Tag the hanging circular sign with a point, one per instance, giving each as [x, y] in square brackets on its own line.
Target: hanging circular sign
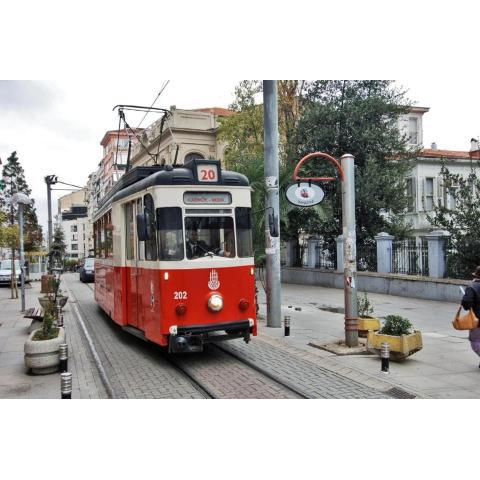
[304, 194]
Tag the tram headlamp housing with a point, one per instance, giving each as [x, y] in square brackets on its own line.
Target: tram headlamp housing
[215, 303]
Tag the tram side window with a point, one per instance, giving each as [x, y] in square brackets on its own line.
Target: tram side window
[170, 233]
[244, 231]
[102, 237]
[151, 243]
[108, 235]
[140, 246]
[130, 231]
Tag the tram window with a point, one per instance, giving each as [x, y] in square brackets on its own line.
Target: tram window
[108, 235]
[151, 243]
[140, 249]
[170, 233]
[130, 231]
[244, 231]
[209, 234]
[102, 237]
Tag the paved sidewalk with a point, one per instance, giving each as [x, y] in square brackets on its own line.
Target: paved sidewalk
[15, 381]
[446, 367]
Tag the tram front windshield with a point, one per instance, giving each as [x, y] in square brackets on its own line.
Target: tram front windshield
[209, 235]
[204, 235]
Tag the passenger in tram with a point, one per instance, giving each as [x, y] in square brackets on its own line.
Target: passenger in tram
[228, 249]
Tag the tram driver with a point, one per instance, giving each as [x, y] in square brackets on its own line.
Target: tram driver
[196, 248]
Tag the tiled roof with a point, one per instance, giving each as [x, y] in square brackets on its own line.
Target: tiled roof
[429, 153]
[222, 112]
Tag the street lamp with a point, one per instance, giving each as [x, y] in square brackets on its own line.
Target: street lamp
[21, 199]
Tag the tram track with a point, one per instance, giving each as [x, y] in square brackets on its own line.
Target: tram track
[218, 373]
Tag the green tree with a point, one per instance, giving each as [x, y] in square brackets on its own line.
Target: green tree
[57, 249]
[460, 219]
[358, 117]
[243, 133]
[14, 177]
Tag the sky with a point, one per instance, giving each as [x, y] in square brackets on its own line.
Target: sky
[56, 126]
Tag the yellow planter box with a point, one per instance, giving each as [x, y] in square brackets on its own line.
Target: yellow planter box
[367, 323]
[401, 346]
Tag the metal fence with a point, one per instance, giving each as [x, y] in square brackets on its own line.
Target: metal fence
[367, 257]
[454, 267]
[325, 256]
[410, 257]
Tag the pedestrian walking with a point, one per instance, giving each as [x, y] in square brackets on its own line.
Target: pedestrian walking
[471, 299]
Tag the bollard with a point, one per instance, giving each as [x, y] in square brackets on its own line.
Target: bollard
[66, 385]
[385, 356]
[63, 357]
[60, 320]
[286, 323]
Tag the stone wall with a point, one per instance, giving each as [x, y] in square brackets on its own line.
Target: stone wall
[442, 289]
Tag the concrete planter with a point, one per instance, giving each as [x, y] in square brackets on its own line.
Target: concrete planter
[401, 346]
[367, 323]
[41, 356]
[43, 301]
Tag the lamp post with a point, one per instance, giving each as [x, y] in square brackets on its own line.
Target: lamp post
[21, 199]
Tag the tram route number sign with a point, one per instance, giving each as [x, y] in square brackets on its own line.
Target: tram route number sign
[207, 172]
[304, 194]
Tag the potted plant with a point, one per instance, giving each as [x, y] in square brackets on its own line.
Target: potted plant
[398, 332]
[365, 320]
[42, 346]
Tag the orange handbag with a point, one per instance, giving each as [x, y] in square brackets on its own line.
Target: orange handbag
[469, 321]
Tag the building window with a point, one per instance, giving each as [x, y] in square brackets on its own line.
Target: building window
[428, 195]
[413, 130]
[74, 246]
[193, 156]
[410, 194]
[73, 228]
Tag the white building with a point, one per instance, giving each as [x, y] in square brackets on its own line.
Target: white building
[72, 217]
[424, 185]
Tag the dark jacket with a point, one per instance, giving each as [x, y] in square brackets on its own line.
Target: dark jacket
[471, 299]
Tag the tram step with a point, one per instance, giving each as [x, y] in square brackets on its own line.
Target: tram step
[135, 331]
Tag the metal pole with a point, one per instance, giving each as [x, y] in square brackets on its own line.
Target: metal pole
[272, 204]
[22, 256]
[349, 250]
[385, 356]
[66, 385]
[286, 324]
[49, 204]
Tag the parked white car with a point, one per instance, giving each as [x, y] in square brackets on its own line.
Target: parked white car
[6, 271]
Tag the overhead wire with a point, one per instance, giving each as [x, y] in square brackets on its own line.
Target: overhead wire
[162, 88]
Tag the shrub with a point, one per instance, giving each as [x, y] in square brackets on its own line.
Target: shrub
[396, 325]
[365, 308]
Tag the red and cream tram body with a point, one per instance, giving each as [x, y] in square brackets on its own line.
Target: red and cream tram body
[173, 255]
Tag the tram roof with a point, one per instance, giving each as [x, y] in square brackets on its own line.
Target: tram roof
[140, 178]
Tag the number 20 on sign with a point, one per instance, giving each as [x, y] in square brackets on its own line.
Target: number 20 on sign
[207, 173]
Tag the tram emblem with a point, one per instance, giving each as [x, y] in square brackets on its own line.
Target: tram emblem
[213, 283]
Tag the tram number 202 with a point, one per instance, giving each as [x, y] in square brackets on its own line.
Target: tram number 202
[180, 295]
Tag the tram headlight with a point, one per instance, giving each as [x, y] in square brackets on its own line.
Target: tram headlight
[215, 303]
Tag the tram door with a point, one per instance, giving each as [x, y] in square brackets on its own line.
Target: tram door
[131, 257]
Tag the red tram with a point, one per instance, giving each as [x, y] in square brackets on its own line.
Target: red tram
[173, 255]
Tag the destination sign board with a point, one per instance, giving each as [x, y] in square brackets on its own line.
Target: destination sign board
[207, 198]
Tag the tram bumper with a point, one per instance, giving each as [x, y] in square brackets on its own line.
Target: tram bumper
[189, 339]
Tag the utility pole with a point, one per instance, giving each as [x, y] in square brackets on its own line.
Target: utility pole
[50, 180]
[21, 199]
[349, 250]
[272, 224]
